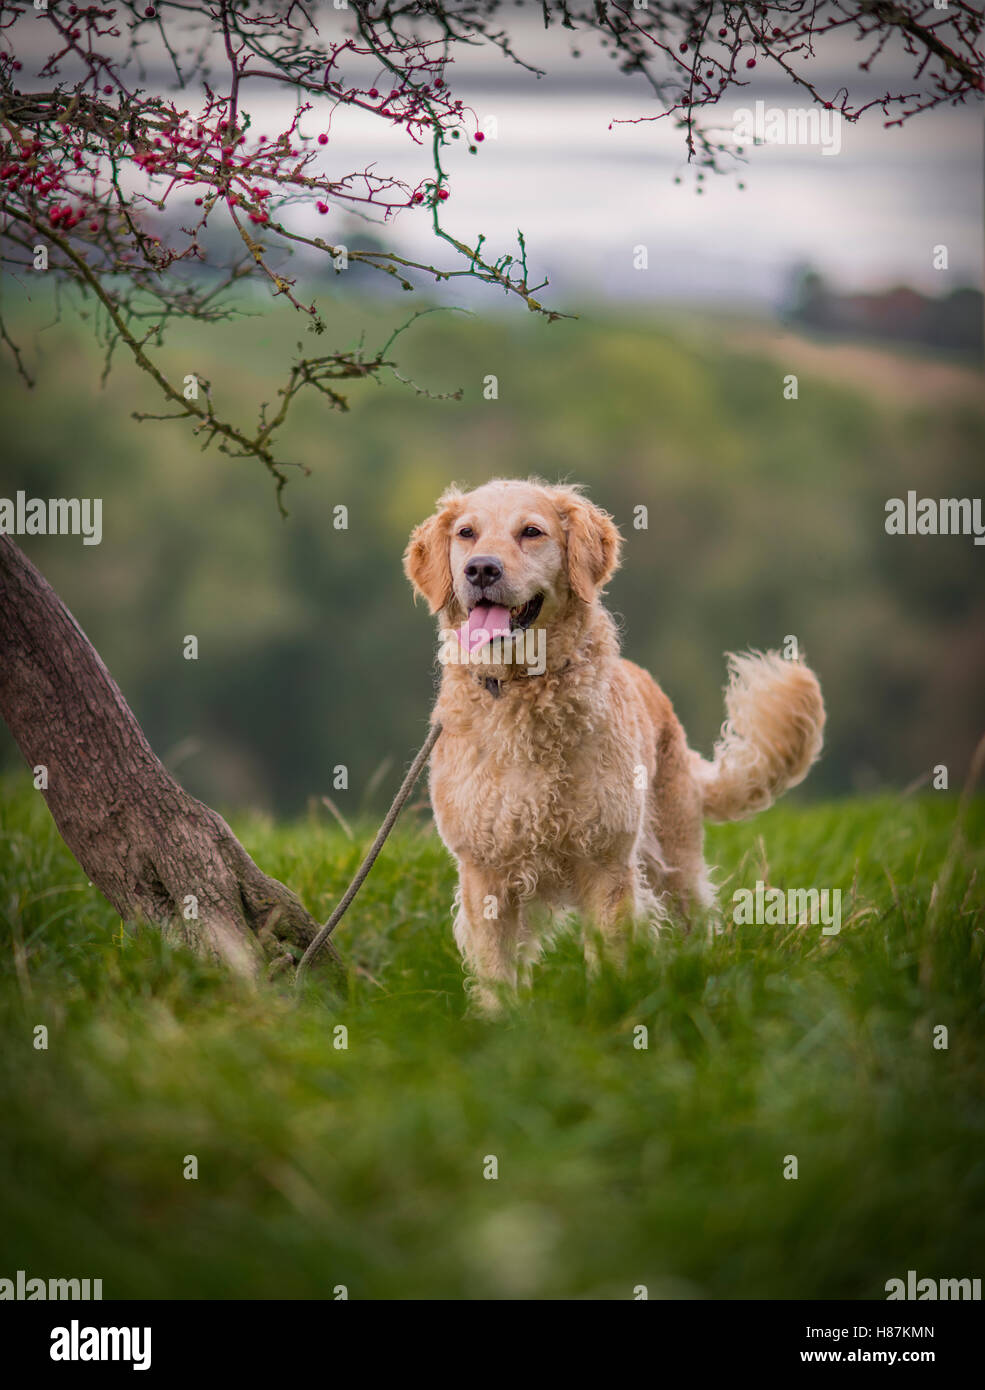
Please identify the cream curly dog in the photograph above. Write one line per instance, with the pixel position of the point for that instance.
(562, 775)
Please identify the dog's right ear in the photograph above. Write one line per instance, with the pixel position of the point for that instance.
(426, 559)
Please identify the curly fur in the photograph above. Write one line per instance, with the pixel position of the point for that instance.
(576, 788)
(771, 739)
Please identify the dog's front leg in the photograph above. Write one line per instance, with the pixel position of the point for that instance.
(488, 926)
(608, 894)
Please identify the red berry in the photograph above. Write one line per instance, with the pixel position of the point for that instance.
(750, 62)
(418, 197)
(479, 136)
(94, 226)
(16, 65)
(150, 12)
(198, 202)
(107, 91)
(683, 47)
(722, 33)
(322, 207)
(442, 193)
(373, 92)
(323, 139)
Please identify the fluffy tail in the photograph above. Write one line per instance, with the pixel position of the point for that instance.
(772, 736)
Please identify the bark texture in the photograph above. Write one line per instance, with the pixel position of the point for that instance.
(145, 843)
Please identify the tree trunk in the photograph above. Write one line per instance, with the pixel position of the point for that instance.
(154, 851)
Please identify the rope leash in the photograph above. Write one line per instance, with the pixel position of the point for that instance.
(406, 787)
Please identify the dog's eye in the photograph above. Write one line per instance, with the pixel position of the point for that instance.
(467, 533)
(529, 532)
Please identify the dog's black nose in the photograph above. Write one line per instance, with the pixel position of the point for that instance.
(483, 571)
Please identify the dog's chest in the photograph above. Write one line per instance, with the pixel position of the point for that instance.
(513, 786)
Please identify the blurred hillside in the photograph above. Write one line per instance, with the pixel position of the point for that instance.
(766, 518)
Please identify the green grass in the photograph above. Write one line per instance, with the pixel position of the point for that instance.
(617, 1166)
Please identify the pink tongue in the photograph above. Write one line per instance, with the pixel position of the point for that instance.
(483, 625)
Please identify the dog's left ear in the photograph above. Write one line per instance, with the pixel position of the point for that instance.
(426, 560)
(593, 543)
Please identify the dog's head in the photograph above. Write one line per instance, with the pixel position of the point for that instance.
(533, 550)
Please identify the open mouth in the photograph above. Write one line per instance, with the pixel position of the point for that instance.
(488, 620)
(520, 617)
(527, 612)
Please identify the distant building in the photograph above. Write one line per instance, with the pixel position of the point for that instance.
(952, 323)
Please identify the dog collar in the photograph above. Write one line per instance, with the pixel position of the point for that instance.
(495, 687)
